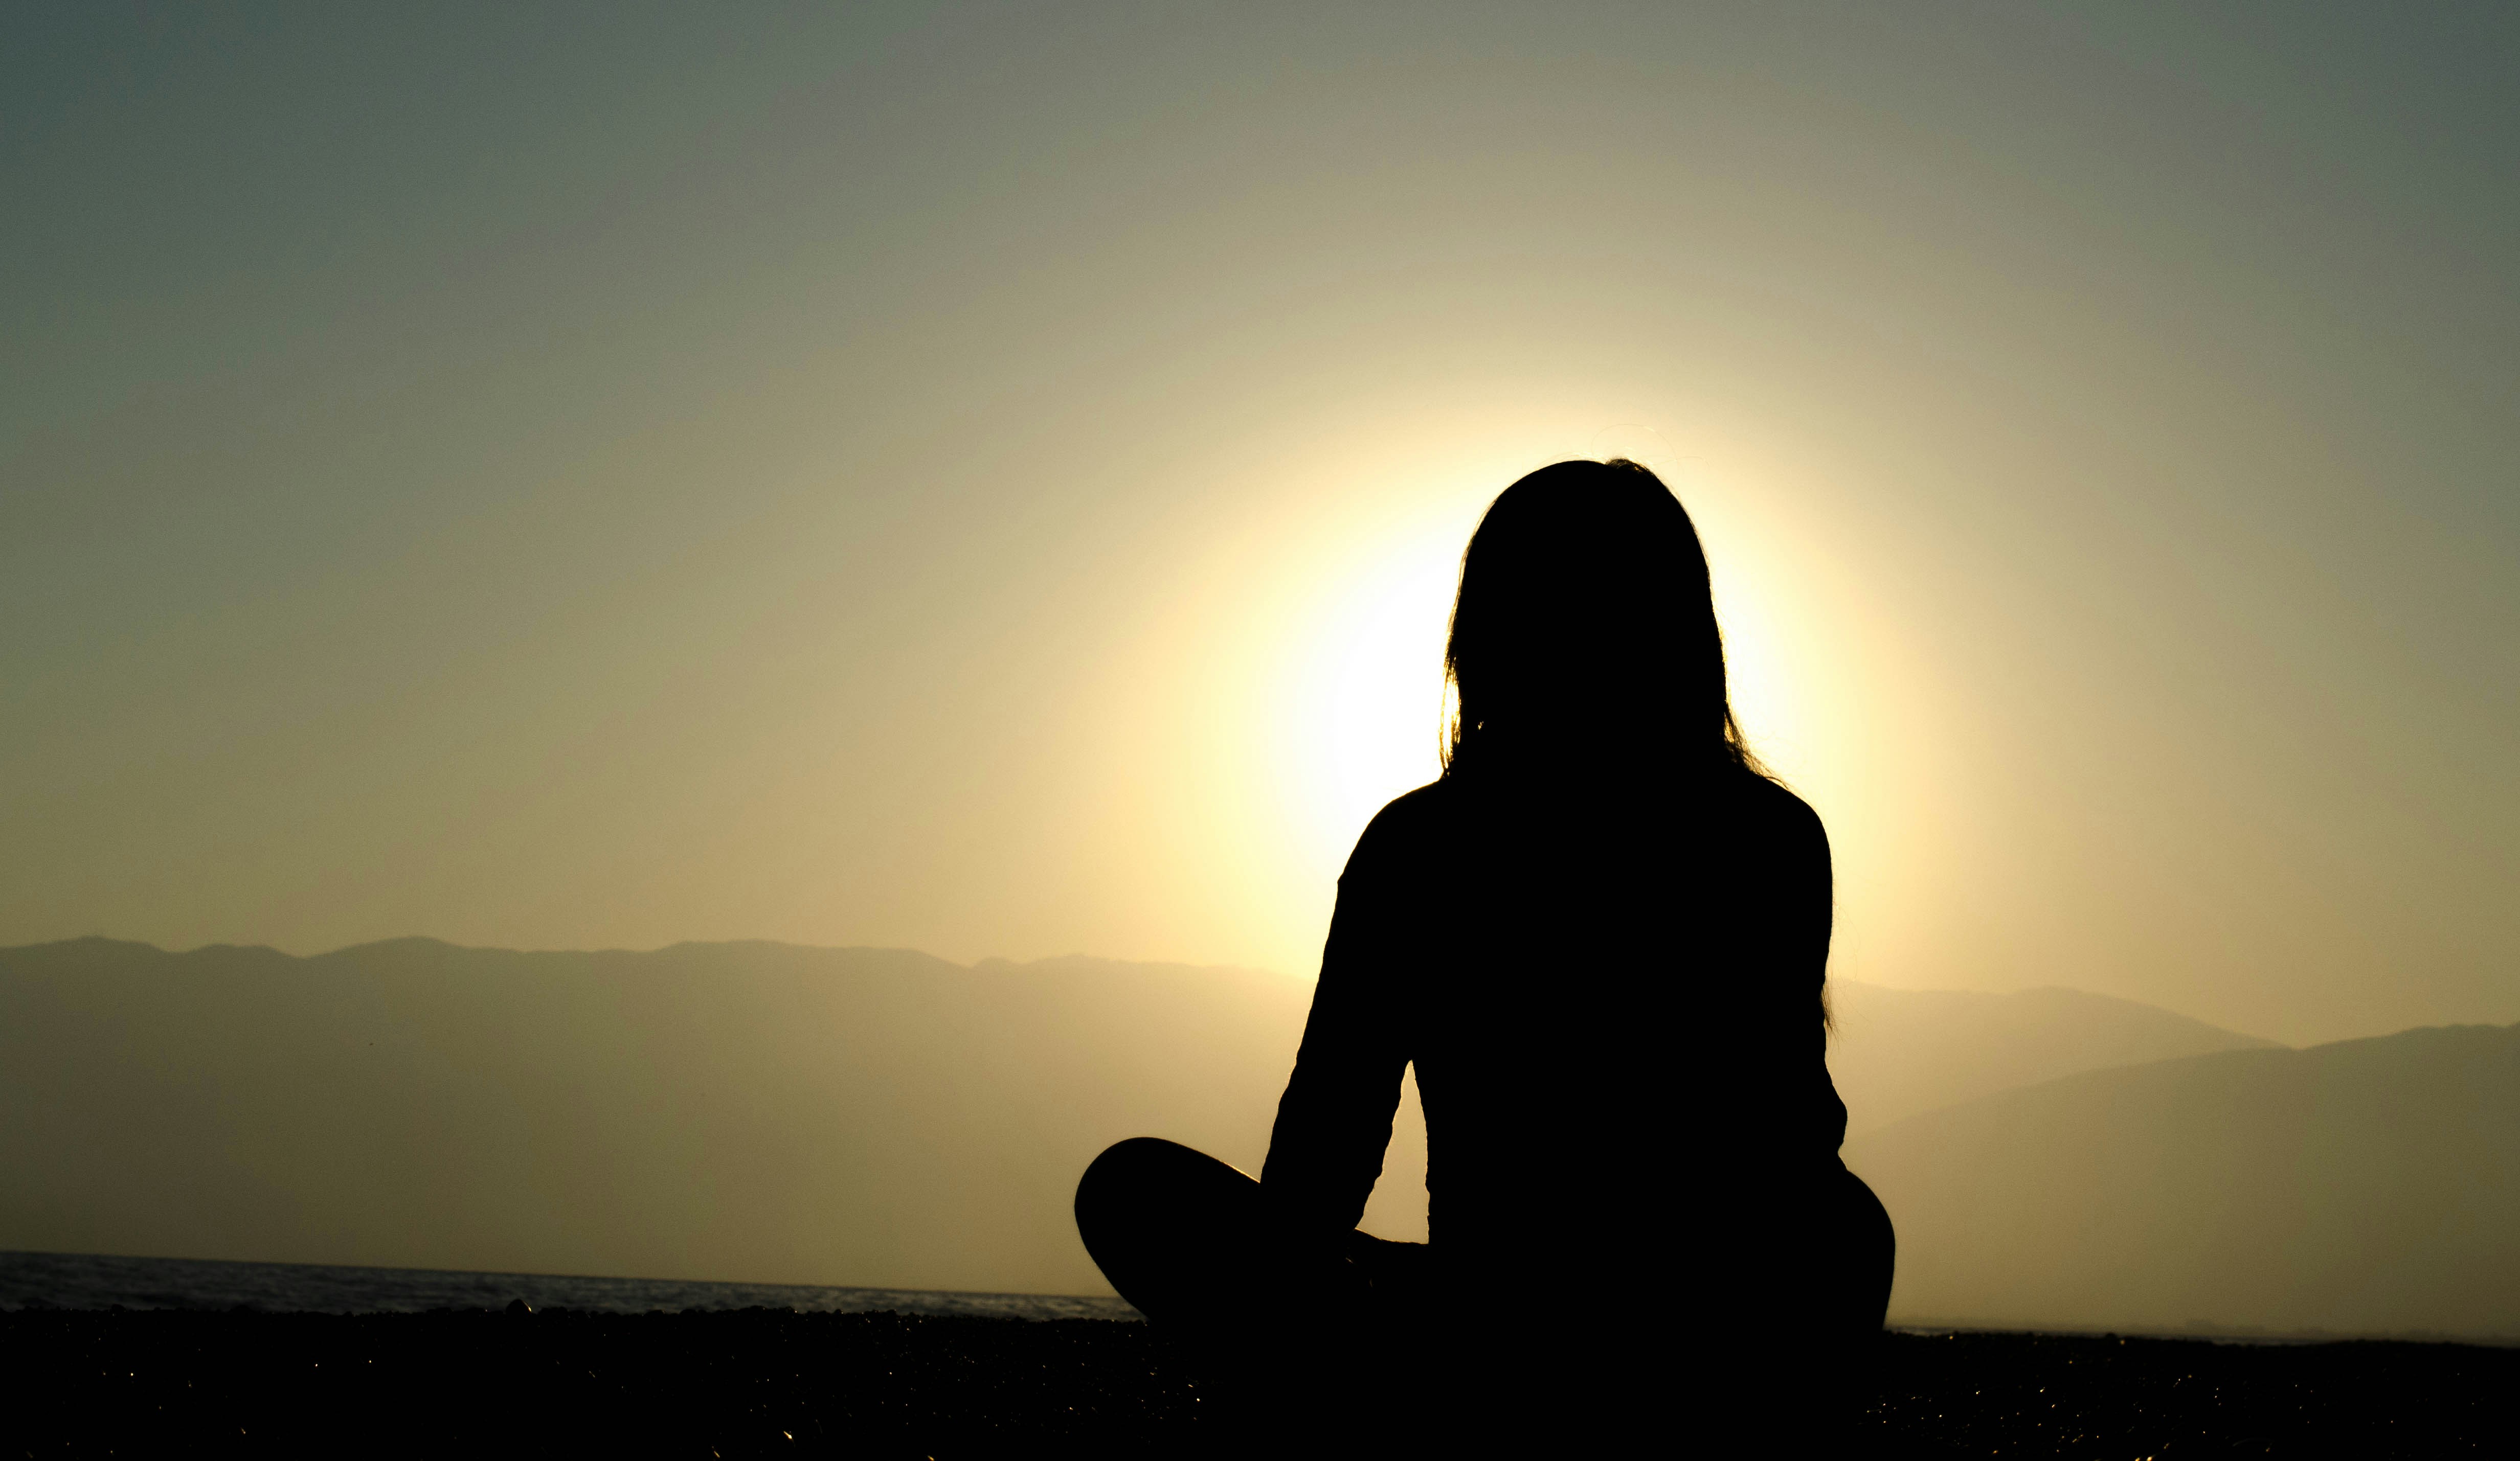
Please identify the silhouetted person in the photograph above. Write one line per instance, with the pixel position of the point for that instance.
(1600, 937)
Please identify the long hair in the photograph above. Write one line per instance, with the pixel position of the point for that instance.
(1585, 626)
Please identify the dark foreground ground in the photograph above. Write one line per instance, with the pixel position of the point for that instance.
(763, 1382)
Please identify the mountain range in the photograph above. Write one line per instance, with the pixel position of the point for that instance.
(1897, 1052)
(2369, 1186)
(881, 1117)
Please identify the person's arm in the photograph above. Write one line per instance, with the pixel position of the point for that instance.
(1811, 913)
(1334, 1121)
(1776, 946)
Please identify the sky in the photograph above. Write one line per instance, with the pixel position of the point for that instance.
(989, 479)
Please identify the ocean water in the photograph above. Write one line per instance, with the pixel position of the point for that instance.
(73, 1280)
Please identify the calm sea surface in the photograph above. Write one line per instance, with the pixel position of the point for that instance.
(71, 1280)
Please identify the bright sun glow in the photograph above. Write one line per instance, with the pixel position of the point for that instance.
(1366, 696)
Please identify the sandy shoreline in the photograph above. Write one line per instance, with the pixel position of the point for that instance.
(771, 1382)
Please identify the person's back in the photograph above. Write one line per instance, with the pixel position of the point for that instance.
(1611, 993)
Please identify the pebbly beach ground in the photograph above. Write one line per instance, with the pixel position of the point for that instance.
(769, 1382)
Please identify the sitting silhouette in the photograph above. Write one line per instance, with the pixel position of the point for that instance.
(1600, 937)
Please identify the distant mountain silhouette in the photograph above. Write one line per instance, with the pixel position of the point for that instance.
(1900, 1052)
(2369, 1186)
(881, 1117)
(746, 1111)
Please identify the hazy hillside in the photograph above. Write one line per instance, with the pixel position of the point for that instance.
(1900, 1052)
(2368, 1186)
(729, 1111)
(759, 1111)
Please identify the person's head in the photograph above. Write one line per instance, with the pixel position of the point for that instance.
(1585, 627)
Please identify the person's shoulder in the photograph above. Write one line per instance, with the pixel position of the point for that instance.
(1773, 810)
(1406, 827)
(1412, 816)
(1766, 796)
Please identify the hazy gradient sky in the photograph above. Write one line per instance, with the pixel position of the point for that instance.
(988, 480)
